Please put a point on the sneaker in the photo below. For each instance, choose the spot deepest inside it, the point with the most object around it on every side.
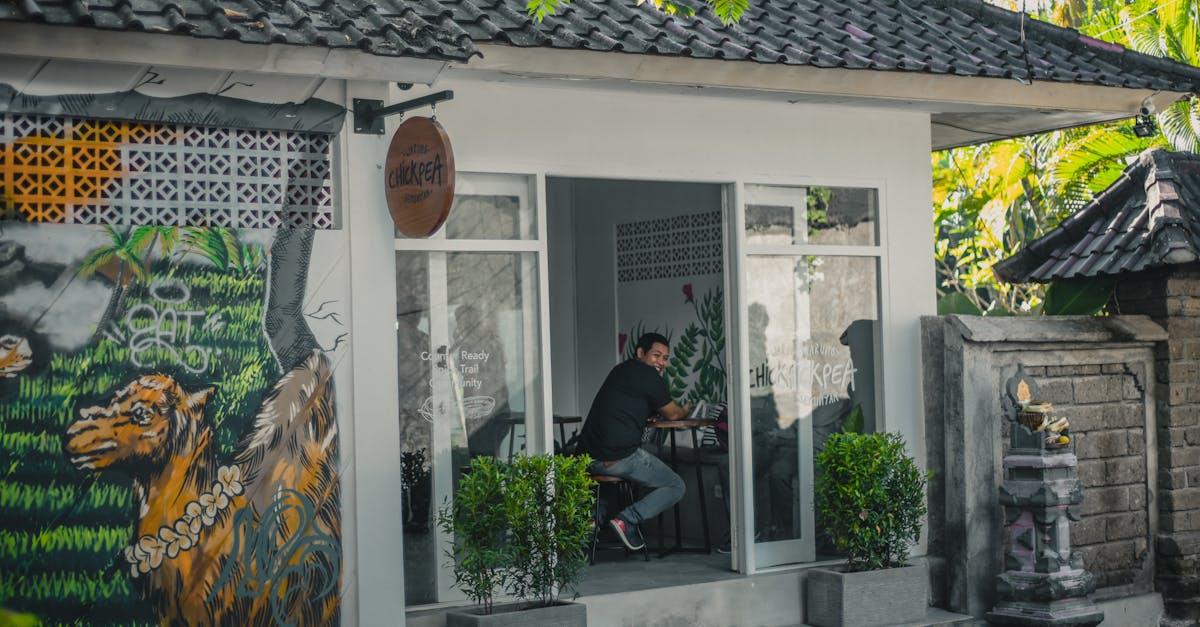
(628, 534)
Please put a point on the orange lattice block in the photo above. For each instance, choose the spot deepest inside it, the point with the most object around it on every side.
(43, 176)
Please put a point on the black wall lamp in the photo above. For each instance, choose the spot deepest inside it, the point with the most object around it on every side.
(1143, 124)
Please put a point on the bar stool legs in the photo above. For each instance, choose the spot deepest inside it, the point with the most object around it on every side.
(624, 499)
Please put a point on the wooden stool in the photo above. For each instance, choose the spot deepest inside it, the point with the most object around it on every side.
(625, 495)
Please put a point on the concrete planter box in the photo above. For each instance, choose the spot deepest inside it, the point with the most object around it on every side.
(866, 599)
(521, 615)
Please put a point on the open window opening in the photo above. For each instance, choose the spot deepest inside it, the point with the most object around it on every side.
(628, 258)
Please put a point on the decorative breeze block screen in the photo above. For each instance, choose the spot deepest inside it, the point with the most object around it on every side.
(89, 171)
(666, 248)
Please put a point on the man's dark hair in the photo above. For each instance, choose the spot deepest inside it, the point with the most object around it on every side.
(648, 340)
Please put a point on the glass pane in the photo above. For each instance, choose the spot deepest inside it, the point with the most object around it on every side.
(469, 375)
(493, 357)
(812, 327)
(490, 206)
(812, 215)
(416, 427)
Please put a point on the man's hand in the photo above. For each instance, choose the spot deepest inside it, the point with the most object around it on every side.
(671, 411)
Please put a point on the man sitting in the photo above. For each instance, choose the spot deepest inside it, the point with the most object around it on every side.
(633, 393)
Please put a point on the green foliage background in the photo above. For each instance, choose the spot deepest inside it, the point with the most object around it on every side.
(62, 530)
(992, 200)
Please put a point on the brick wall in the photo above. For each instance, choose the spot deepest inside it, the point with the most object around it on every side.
(1105, 405)
(1097, 372)
(1173, 301)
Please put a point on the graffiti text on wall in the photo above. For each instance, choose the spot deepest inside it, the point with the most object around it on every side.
(146, 328)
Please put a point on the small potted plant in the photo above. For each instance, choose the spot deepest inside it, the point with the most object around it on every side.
(521, 527)
(871, 499)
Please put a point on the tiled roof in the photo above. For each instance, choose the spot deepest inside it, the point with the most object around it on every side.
(954, 37)
(390, 28)
(958, 37)
(1148, 218)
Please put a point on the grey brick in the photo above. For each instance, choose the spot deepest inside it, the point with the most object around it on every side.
(1091, 473)
(1097, 389)
(1122, 526)
(1137, 497)
(1179, 416)
(1125, 470)
(1179, 456)
(1117, 415)
(1056, 391)
(1101, 444)
(1089, 530)
(1179, 521)
(1179, 500)
(1136, 441)
(1172, 479)
(1112, 368)
(1105, 500)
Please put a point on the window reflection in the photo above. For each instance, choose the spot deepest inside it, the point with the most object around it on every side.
(811, 323)
(811, 215)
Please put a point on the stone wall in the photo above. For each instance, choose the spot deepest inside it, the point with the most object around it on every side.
(1172, 299)
(1094, 371)
(1105, 404)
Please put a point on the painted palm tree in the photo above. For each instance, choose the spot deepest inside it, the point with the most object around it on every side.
(128, 252)
(222, 247)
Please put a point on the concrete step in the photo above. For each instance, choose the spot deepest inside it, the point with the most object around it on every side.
(935, 617)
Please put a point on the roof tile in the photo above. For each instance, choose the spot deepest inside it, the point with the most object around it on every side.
(960, 37)
(1152, 210)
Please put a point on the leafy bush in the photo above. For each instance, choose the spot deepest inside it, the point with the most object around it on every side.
(477, 522)
(523, 527)
(549, 505)
(871, 498)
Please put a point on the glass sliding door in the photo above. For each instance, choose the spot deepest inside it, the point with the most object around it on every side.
(810, 291)
(470, 359)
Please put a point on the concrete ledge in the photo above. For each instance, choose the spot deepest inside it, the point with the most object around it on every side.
(1057, 329)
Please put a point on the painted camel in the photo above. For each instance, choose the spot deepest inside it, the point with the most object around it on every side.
(253, 542)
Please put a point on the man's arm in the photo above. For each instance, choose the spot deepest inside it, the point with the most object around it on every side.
(672, 411)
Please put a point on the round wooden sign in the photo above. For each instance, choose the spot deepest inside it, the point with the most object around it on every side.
(419, 177)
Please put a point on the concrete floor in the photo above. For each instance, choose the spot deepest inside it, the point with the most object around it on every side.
(615, 572)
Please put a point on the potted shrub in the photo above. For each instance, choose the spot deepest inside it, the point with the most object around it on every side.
(871, 500)
(524, 528)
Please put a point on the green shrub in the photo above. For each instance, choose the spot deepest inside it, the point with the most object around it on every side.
(549, 504)
(523, 527)
(871, 498)
(476, 521)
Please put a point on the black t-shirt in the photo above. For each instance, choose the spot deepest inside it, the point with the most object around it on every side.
(632, 393)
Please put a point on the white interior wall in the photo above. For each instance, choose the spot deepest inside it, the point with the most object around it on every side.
(598, 206)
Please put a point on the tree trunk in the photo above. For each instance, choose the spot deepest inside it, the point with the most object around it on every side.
(290, 339)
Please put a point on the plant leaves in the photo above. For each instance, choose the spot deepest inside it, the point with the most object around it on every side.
(957, 303)
(1078, 297)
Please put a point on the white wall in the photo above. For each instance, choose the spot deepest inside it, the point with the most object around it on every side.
(575, 131)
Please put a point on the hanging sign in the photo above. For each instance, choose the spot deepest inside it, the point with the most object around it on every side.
(419, 177)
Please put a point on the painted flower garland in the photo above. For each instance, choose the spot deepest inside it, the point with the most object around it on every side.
(148, 552)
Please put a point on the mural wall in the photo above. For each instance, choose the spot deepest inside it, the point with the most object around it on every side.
(168, 429)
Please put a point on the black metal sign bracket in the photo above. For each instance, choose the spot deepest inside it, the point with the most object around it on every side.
(369, 114)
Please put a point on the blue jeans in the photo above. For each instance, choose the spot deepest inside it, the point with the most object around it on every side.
(642, 468)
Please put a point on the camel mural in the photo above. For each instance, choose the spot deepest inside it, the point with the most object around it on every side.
(186, 545)
(169, 448)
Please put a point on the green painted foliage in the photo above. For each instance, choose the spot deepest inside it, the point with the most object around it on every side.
(63, 530)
